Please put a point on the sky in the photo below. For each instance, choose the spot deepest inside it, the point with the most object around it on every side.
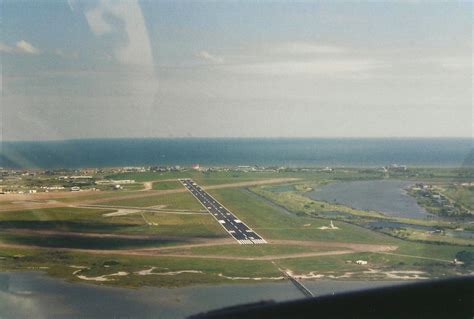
(108, 69)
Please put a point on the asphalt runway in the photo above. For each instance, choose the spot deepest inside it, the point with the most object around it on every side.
(234, 226)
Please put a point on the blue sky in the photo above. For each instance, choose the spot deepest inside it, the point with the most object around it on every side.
(86, 69)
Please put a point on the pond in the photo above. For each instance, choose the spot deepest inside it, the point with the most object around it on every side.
(392, 224)
(388, 197)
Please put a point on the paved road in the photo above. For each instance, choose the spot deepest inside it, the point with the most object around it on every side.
(234, 226)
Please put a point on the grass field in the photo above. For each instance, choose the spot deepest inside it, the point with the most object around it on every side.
(463, 195)
(202, 225)
(433, 260)
(71, 241)
(251, 251)
(94, 196)
(70, 219)
(67, 219)
(60, 230)
(178, 201)
(167, 185)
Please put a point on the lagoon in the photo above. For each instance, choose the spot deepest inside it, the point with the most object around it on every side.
(35, 295)
(386, 196)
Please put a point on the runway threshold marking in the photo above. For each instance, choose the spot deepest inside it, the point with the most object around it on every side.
(243, 234)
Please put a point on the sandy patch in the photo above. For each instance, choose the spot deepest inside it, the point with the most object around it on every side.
(121, 212)
(158, 206)
(310, 275)
(330, 227)
(251, 278)
(78, 269)
(147, 186)
(103, 277)
(399, 274)
(147, 272)
(394, 274)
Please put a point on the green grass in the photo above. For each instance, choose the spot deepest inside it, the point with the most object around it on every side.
(463, 195)
(68, 219)
(63, 241)
(321, 264)
(440, 251)
(405, 258)
(167, 185)
(203, 225)
(95, 195)
(184, 201)
(426, 236)
(52, 214)
(252, 250)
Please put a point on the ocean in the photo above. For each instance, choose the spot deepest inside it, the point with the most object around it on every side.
(291, 152)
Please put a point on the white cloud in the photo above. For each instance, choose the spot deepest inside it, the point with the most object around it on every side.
(297, 48)
(26, 47)
(95, 18)
(204, 55)
(137, 50)
(317, 67)
(20, 47)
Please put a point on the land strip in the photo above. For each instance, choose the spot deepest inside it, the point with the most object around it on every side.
(349, 248)
(28, 200)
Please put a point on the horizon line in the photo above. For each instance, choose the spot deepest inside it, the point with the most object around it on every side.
(236, 137)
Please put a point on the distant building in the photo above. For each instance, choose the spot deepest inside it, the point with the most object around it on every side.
(134, 169)
(361, 262)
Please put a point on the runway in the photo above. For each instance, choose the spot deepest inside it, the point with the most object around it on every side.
(234, 226)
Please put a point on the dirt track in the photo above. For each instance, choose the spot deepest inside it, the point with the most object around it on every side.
(349, 248)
